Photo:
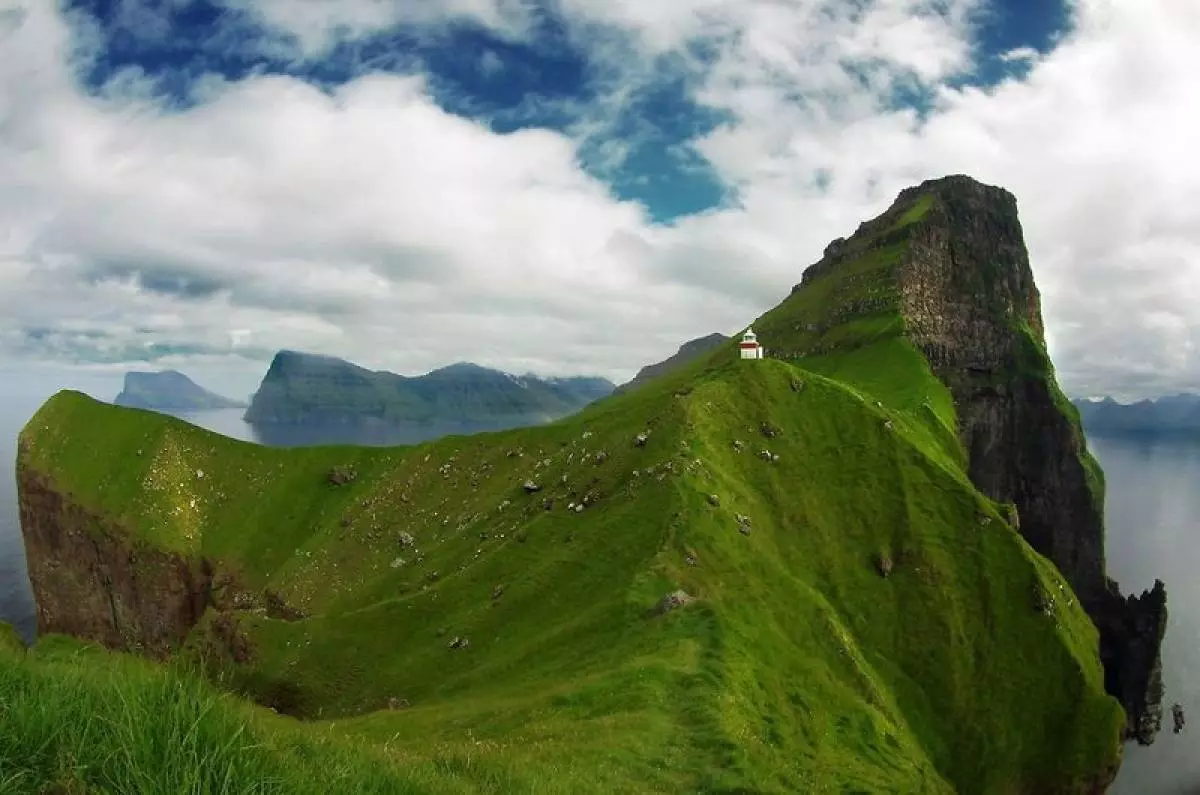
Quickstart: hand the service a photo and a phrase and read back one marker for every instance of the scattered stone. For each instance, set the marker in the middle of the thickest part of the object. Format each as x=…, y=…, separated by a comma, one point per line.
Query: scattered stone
x=563, y=480
x=1043, y=600
x=520, y=536
x=579, y=508
x=139, y=452
x=887, y=424
x=691, y=559
x=432, y=576
x=504, y=505
x=743, y=524
x=277, y=608
x=398, y=703
x=497, y=592
x=797, y=385
x=640, y=440
x=737, y=445
x=459, y=643
x=338, y=476
x=600, y=457
x=883, y=564
x=548, y=505
x=714, y=500
x=1012, y=516
x=397, y=563
x=768, y=430
x=531, y=487
x=406, y=540
x=673, y=600
x=1177, y=716
x=200, y=474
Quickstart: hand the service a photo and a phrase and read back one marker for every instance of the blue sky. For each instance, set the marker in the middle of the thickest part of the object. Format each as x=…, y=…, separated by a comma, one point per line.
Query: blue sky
x=547, y=80
x=197, y=183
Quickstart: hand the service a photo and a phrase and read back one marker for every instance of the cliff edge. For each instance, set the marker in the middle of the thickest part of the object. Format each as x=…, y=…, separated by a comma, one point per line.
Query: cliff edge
x=946, y=268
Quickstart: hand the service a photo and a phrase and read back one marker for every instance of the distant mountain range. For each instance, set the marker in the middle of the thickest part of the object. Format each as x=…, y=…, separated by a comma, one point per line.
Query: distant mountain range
x=1171, y=414
x=169, y=390
x=688, y=352
x=302, y=389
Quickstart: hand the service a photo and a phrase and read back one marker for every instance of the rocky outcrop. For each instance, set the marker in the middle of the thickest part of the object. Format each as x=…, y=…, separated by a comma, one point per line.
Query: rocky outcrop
x=90, y=581
x=964, y=288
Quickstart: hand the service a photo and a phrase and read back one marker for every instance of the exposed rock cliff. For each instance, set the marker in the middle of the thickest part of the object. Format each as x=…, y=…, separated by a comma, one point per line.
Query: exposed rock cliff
x=306, y=388
x=90, y=580
x=961, y=280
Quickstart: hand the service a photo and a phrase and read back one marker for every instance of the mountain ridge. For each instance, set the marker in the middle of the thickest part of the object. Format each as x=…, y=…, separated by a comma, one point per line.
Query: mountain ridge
x=302, y=388
x=1165, y=415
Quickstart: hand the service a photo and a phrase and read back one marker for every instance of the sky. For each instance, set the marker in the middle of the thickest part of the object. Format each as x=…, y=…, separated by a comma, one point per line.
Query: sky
x=566, y=186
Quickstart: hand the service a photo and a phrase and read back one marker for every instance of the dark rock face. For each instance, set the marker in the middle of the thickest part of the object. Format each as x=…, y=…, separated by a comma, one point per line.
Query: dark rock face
x=966, y=292
x=88, y=581
x=971, y=305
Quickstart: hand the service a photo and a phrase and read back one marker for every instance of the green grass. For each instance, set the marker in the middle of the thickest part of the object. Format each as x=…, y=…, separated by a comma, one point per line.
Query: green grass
x=798, y=668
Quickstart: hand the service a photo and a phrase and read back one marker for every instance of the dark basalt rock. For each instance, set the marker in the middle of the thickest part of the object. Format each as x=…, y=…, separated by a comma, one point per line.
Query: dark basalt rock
x=966, y=292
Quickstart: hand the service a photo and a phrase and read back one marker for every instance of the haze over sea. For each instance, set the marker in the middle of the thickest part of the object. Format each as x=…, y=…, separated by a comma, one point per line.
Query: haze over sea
x=1151, y=508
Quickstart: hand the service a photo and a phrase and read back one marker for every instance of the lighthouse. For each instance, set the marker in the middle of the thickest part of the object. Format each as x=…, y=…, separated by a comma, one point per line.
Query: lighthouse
x=749, y=346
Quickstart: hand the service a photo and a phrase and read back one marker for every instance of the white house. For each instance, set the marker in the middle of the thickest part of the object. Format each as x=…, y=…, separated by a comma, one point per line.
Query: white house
x=749, y=346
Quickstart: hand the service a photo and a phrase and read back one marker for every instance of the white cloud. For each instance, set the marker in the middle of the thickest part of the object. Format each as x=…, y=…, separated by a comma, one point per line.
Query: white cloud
x=319, y=24
x=370, y=224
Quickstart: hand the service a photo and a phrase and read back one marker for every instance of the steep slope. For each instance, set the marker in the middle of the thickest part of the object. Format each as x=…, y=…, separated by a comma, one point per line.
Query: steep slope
x=305, y=388
x=857, y=614
x=945, y=270
x=687, y=353
x=169, y=390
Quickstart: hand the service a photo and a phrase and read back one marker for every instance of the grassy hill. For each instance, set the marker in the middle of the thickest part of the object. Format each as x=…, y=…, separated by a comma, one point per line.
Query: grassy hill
x=480, y=613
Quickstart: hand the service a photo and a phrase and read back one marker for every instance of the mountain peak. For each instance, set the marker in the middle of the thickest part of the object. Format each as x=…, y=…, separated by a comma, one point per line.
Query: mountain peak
x=168, y=390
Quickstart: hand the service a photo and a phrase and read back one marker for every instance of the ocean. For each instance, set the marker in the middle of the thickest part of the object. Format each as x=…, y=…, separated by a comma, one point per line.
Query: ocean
x=1152, y=507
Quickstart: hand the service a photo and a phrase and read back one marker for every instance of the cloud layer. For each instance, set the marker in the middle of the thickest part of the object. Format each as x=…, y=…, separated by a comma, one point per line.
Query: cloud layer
x=369, y=222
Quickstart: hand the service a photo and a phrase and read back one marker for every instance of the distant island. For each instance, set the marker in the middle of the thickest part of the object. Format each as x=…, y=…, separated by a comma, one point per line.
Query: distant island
x=169, y=390
x=688, y=352
x=1172, y=414
x=309, y=389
